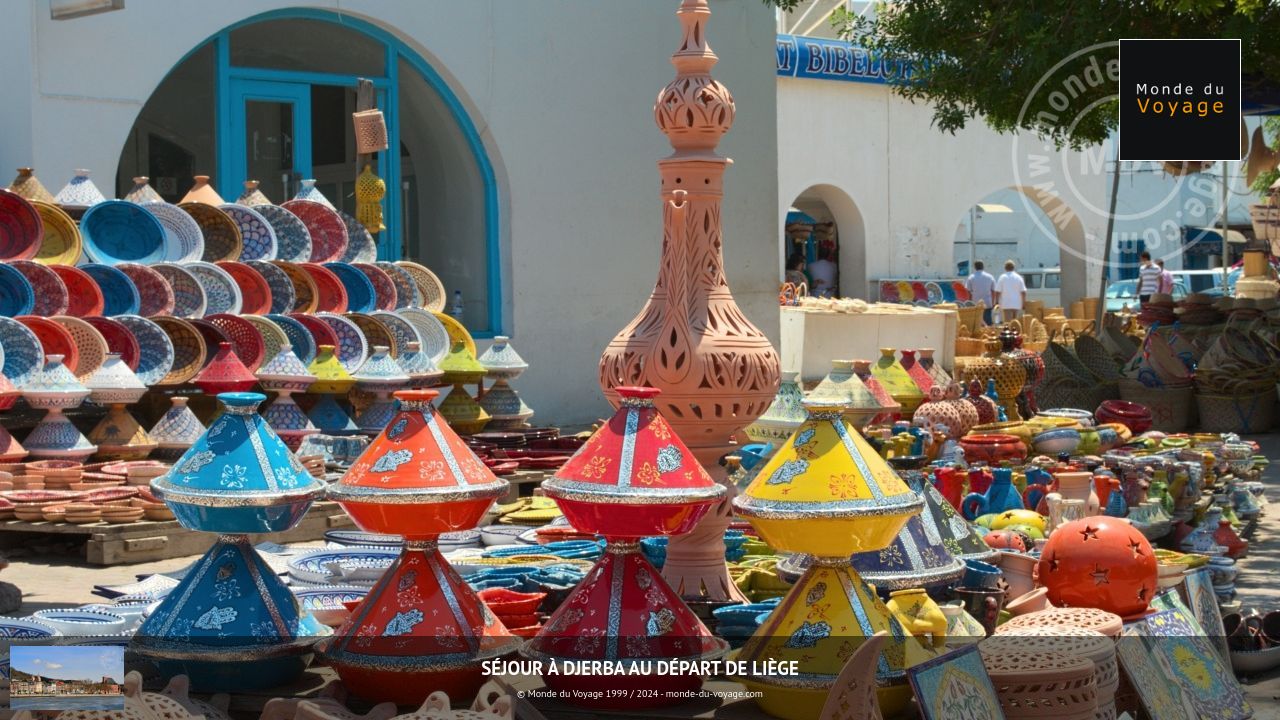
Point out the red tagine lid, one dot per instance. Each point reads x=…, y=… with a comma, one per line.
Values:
x=225, y=373
x=634, y=458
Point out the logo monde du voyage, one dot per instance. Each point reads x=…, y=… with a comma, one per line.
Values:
x=1180, y=99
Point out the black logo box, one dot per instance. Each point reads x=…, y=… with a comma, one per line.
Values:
x=1185, y=68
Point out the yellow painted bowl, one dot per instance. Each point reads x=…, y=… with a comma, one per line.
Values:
x=1018, y=517
x=832, y=537
x=804, y=704
x=1041, y=423
x=1122, y=430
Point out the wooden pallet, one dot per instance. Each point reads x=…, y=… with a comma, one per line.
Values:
x=144, y=541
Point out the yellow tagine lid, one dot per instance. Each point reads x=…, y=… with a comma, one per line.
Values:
x=826, y=491
x=894, y=378
x=331, y=376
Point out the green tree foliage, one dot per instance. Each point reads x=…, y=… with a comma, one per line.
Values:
x=984, y=58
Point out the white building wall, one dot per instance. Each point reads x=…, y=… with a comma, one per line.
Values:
x=562, y=92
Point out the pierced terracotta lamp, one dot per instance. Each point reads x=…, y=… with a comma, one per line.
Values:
x=827, y=493
x=634, y=478
x=421, y=628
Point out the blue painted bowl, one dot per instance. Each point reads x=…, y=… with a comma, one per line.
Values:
x=120, y=231
x=980, y=575
x=16, y=294
x=119, y=294
x=1058, y=440
x=20, y=629
x=361, y=297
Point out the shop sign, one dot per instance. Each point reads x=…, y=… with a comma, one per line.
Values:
x=806, y=57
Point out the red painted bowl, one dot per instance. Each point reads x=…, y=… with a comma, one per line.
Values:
x=245, y=339
x=328, y=231
x=21, y=229
x=119, y=339
x=155, y=294
x=54, y=338
x=84, y=297
x=51, y=292
x=993, y=449
x=255, y=293
x=633, y=520
x=384, y=288
x=1135, y=416
x=319, y=329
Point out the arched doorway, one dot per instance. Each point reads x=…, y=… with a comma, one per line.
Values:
x=270, y=98
x=824, y=224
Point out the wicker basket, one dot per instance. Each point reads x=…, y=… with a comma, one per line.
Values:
x=1248, y=413
x=970, y=316
x=1061, y=364
x=1172, y=409
x=966, y=344
x=370, y=131
x=1094, y=356
x=1069, y=393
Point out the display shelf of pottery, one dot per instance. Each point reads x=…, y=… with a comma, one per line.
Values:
x=502, y=364
x=459, y=409
x=421, y=627
x=231, y=623
x=55, y=389
x=380, y=375
x=285, y=375
x=332, y=381
x=175, y=431
x=422, y=370
x=657, y=488
x=118, y=435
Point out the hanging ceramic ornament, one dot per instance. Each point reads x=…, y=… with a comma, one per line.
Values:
x=380, y=375
x=842, y=387
x=175, y=431
x=56, y=389
x=507, y=410
x=462, y=412
x=369, y=192
x=118, y=435
x=420, y=628
x=285, y=375
x=332, y=381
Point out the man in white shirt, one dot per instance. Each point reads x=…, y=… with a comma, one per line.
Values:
x=1148, y=278
x=1011, y=290
x=823, y=273
x=980, y=284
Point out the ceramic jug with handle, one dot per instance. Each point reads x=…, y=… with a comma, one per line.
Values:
x=1001, y=496
x=950, y=483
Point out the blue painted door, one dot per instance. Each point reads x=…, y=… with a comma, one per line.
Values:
x=270, y=135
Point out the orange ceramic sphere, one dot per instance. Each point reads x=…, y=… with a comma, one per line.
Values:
x=1099, y=562
x=1006, y=540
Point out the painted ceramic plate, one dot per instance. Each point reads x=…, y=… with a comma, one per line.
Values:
x=119, y=296
x=375, y=332
x=384, y=288
x=257, y=236
x=221, y=234
x=300, y=339
x=361, y=296
x=328, y=232
x=222, y=294
x=245, y=339
x=16, y=295
x=429, y=286
x=119, y=340
x=305, y=292
x=283, y=297
x=255, y=293
x=155, y=349
x=402, y=330
x=360, y=566
x=457, y=331
x=352, y=347
x=212, y=334
x=118, y=231
x=155, y=294
x=61, y=244
x=184, y=242
x=293, y=240
x=361, y=247
x=320, y=331
x=92, y=346
x=273, y=338
x=431, y=332
x=21, y=228
x=55, y=340
x=407, y=292
x=331, y=294
x=84, y=298
x=50, y=292
x=23, y=354
x=188, y=294
x=189, y=349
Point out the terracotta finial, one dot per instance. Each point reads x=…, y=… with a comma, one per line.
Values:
x=694, y=109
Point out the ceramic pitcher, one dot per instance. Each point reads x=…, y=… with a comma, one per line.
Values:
x=920, y=614
x=1001, y=496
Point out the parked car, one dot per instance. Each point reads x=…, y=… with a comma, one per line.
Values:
x=1124, y=293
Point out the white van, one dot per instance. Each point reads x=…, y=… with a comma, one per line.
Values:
x=1043, y=284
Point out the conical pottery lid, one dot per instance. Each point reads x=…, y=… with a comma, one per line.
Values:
x=655, y=625
x=462, y=412
x=285, y=367
x=113, y=381
x=329, y=417
x=252, y=195
x=202, y=192
x=418, y=458
x=420, y=615
x=225, y=373
x=178, y=427
x=461, y=366
x=502, y=360
x=862, y=368
x=381, y=369
x=230, y=601
x=29, y=186
x=418, y=364
x=308, y=191
x=827, y=472
x=331, y=376
x=238, y=462
x=788, y=404
x=501, y=401
x=79, y=192
x=54, y=436
x=634, y=458
x=841, y=386
x=896, y=381
x=54, y=380
x=119, y=429
x=142, y=192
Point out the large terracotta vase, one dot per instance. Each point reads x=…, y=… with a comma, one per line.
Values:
x=716, y=370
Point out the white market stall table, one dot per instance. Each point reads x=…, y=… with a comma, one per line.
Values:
x=811, y=339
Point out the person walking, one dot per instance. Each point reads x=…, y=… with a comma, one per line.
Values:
x=1166, y=279
x=1148, y=278
x=1011, y=290
x=980, y=285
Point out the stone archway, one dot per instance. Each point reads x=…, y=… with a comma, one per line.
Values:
x=836, y=216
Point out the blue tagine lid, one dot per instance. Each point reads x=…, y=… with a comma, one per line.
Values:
x=381, y=370
x=238, y=477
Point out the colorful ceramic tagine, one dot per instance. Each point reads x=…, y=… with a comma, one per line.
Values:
x=633, y=478
x=461, y=410
x=931, y=366
x=332, y=380
x=308, y=191
x=421, y=368
x=919, y=614
x=56, y=389
x=842, y=387
x=1099, y=562
x=506, y=409
x=380, y=375
x=225, y=373
x=118, y=435
x=1226, y=536
x=231, y=622
x=252, y=195
x=285, y=375
x=826, y=493
x=919, y=373
x=783, y=415
x=897, y=382
x=202, y=192
x=175, y=431
x=502, y=361
x=891, y=408
x=420, y=628
x=142, y=192
x=79, y=194
x=29, y=186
